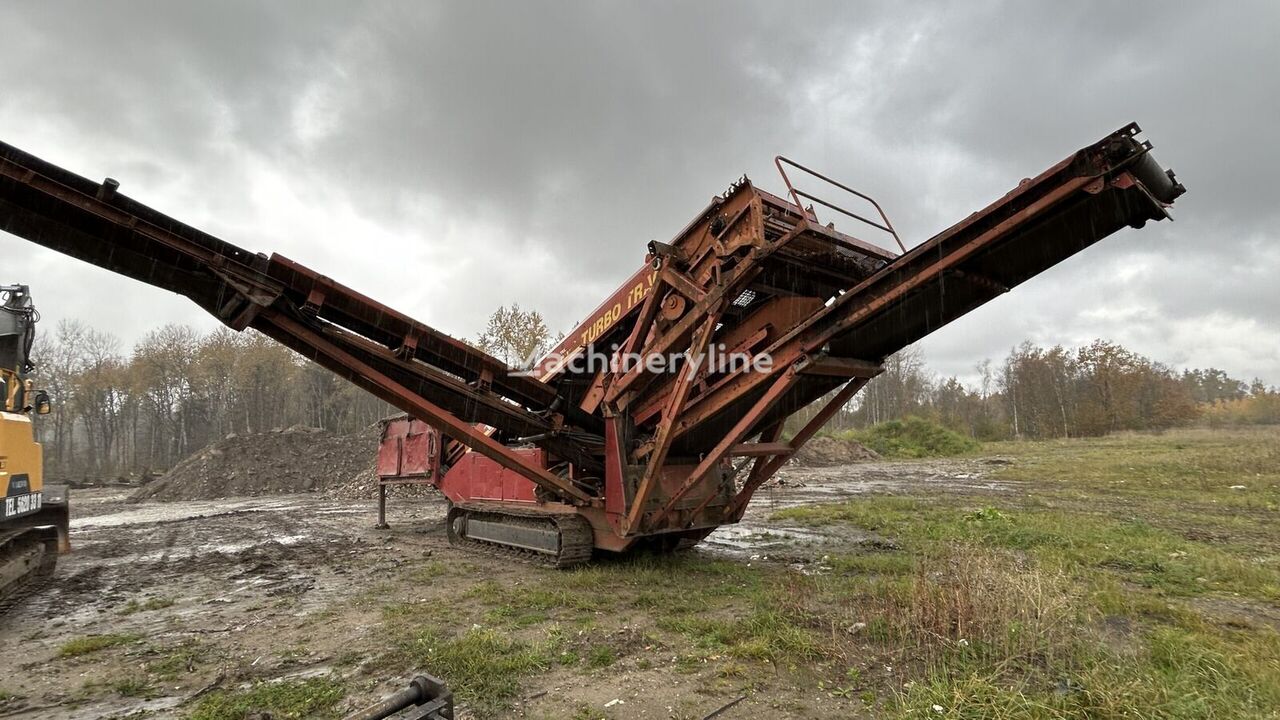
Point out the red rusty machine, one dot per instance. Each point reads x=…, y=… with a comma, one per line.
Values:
x=577, y=455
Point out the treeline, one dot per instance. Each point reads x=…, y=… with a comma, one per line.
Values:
x=128, y=412
x=124, y=412
x=1058, y=392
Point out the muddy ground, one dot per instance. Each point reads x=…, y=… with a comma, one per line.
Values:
x=213, y=594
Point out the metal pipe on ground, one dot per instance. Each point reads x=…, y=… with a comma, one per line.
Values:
x=427, y=696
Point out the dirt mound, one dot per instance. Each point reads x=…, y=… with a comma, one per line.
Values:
x=825, y=450
x=299, y=459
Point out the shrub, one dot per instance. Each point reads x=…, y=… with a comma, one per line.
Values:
x=914, y=437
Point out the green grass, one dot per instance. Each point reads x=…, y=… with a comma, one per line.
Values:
x=1179, y=674
x=913, y=437
x=1191, y=472
x=93, y=643
x=312, y=698
x=520, y=629
x=1088, y=591
x=482, y=665
x=766, y=635
x=600, y=656
x=155, y=603
x=765, y=620
x=173, y=662
x=1098, y=584
x=1133, y=547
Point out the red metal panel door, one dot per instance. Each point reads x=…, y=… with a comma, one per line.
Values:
x=388, y=464
x=417, y=456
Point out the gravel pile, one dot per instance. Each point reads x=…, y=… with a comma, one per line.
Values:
x=825, y=451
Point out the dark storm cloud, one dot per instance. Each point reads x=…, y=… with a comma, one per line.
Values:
x=480, y=153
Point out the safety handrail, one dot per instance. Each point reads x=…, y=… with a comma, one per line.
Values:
x=797, y=194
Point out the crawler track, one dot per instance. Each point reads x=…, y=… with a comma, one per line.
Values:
x=38, y=551
x=575, y=539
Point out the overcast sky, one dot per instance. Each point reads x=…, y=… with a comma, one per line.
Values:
x=450, y=158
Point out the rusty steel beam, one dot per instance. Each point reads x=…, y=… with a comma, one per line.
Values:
x=771, y=437
x=94, y=222
x=344, y=307
x=1071, y=205
x=819, y=329
x=670, y=415
x=648, y=311
x=669, y=339
x=842, y=367
x=765, y=469
x=855, y=305
x=740, y=430
x=721, y=292
x=297, y=335
x=759, y=449
x=723, y=289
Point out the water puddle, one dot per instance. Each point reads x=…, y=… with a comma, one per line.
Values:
x=758, y=537
x=177, y=512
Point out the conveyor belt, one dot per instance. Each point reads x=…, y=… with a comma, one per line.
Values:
x=1093, y=193
x=420, y=370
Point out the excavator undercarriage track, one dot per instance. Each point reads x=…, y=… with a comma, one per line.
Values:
x=27, y=559
x=559, y=540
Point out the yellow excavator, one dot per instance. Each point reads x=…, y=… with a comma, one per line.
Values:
x=35, y=521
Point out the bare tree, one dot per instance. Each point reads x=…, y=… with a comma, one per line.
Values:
x=514, y=336
x=60, y=359
x=161, y=370
x=902, y=389
x=100, y=397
